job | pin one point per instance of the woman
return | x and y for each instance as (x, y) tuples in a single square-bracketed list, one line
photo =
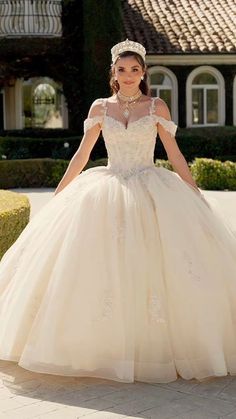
[(127, 273)]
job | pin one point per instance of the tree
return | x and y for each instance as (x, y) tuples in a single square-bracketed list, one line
[(102, 28), (72, 44)]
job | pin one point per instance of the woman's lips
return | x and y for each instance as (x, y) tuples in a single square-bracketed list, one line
[(128, 82)]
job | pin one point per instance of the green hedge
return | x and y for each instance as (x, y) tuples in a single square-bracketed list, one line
[(14, 216), (32, 173), (12, 148), (35, 173), (210, 142), (208, 173)]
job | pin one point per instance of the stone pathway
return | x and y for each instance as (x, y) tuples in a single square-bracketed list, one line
[(26, 395)]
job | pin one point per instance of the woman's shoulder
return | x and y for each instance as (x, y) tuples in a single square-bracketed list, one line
[(97, 107), (160, 107), (98, 102)]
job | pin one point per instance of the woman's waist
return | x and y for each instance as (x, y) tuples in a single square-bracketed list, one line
[(126, 170)]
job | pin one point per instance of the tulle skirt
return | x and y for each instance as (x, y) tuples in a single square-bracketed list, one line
[(129, 278)]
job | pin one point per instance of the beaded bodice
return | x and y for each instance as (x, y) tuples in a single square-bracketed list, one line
[(130, 149)]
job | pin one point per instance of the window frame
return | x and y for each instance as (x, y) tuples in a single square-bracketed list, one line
[(220, 87), (174, 89)]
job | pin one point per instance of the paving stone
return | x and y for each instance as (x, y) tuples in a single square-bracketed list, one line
[(198, 414), (212, 388), (230, 416), (212, 405), (132, 407), (104, 415), (9, 404), (33, 410)]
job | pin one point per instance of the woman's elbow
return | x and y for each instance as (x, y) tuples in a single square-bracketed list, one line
[(175, 155)]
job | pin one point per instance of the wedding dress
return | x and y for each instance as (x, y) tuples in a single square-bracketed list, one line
[(126, 274)]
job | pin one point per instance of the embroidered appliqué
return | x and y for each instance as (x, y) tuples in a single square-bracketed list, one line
[(155, 309), (106, 307)]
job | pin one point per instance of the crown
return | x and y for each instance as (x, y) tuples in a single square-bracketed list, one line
[(127, 45)]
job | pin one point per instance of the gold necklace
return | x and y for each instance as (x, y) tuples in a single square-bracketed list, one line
[(129, 102)]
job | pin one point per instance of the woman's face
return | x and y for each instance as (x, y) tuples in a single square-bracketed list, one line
[(128, 73)]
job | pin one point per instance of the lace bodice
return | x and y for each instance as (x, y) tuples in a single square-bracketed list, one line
[(130, 149)]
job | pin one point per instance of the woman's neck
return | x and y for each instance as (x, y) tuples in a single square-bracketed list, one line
[(129, 92)]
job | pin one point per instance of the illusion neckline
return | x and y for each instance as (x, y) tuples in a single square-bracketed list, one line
[(129, 123)]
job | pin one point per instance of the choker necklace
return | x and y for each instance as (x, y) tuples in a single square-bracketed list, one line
[(129, 101)]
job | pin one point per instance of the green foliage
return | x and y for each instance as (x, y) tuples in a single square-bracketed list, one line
[(58, 169), (102, 27), (27, 148), (214, 174), (72, 44), (208, 173), (94, 163), (14, 216), (163, 163), (33, 173), (211, 142), (36, 173), (217, 143), (30, 58)]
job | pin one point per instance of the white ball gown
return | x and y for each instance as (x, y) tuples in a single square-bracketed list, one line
[(126, 274)]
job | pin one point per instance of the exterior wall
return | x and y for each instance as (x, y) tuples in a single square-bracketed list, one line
[(182, 71), (10, 109)]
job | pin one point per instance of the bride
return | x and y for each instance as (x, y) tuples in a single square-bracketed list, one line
[(127, 273)]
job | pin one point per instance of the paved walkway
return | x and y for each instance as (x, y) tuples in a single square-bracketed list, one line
[(27, 395)]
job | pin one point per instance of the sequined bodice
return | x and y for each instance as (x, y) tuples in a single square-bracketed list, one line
[(131, 148)]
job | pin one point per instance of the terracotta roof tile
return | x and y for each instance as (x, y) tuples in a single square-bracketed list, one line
[(181, 26)]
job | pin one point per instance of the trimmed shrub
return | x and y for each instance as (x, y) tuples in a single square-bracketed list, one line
[(32, 173), (214, 174), (14, 216), (208, 173), (163, 163), (36, 173)]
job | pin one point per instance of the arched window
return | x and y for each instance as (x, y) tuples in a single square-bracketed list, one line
[(205, 97), (43, 104), (163, 84)]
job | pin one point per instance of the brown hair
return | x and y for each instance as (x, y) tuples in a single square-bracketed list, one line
[(114, 85)]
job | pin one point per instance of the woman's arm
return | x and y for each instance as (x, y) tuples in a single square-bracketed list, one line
[(80, 158), (174, 154)]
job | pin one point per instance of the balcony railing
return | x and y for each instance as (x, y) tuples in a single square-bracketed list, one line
[(30, 18)]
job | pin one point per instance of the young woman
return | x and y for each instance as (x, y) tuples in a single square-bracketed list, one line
[(127, 273)]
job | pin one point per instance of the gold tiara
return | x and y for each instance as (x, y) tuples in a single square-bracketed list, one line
[(127, 45)]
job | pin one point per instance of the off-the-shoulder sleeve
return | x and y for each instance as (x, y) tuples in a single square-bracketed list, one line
[(95, 115), (169, 126), (90, 122)]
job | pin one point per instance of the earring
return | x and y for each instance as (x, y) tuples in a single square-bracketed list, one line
[(142, 77)]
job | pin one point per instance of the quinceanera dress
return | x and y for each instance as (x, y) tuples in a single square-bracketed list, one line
[(126, 274)]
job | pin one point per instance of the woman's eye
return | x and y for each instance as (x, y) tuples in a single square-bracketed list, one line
[(120, 70)]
